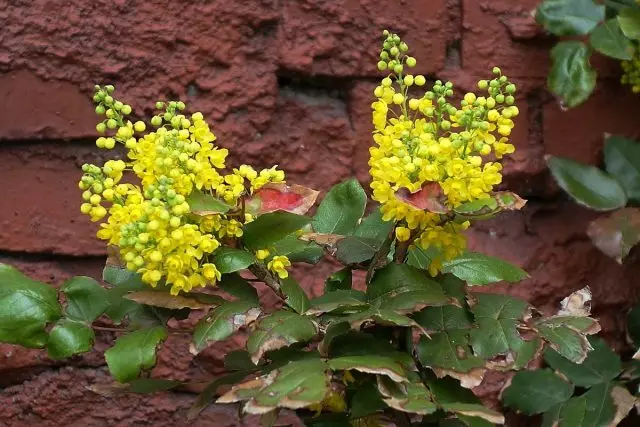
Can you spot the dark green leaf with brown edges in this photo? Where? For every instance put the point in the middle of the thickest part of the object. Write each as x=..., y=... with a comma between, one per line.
x=615, y=235
x=280, y=329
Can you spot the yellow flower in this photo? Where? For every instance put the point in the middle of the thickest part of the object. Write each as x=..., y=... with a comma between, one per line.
x=278, y=265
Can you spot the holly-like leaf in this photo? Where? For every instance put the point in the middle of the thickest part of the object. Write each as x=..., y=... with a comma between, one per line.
x=366, y=400
x=134, y=352
x=412, y=397
x=26, y=307
x=238, y=287
x=571, y=78
x=479, y=269
x=490, y=206
x=355, y=249
x=165, y=300
x=280, y=329
x=340, y=280
x=380, y=316
x=239, y=360
x=593, y=408
x=223, y=321
x=374, y=227
x=622, y=161
x=629, y=19
x=587, y=185
x=421, y=258
x=295, y=296
x=86, y=299
x=204, y=204
x=298, y=250
x=569, y=17
x=333, y=330
x=535, y=392
x=609, y=40
x=371, y=364
x=230, y=260
x=601, y=365
x=472, y=411
x=270, y=228
x=568, y=335
x=497, y=317
x=68, y=338
x=396, y=280
x=341, y=209
x=429, y=198
x=296, y=385
x=343, y=300
x=273, y=197
x=208, y=395
x=449, y=353
x=615, y=235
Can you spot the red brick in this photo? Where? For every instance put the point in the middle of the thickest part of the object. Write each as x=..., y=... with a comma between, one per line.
x=40, y=190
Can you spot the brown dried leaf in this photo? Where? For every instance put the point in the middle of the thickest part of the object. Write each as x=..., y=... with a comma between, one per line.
x=623, y=401
x=165, y=300
x=617, y=233
x=328, y=241
x=576, y=304
x=471, y=379
x=109, y=390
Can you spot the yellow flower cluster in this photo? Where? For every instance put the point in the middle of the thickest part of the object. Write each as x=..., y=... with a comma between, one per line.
x=152, y=224
x=426, y=142
x=631, y=72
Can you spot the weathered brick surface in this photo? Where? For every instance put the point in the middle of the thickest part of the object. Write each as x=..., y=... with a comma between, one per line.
x=286, y=82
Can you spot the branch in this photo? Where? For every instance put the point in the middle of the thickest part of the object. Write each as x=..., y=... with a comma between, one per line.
x=261, y=272
x=380, y=255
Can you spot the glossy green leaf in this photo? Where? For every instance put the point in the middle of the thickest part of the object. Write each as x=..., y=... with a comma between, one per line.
x=26, y=307
x=479, y=269
x=396, y=279
x=629, y=19
x=569, y=17
x=203, y=204
x=371, y=364
x=295, y=385
x=270, y=228
x=374, y=227
x=134, y=352
x=333, y=330
x=412, y=397
x=601, y=365
x=616, y=234
x=587, y=185
x=341, y=299
x=595, y=408
x=223, y=321
x=497, y=318
x=86, y=299
x=295, y=296
x=238, y=287
x=340, y=280
x=354, y=249
x=535, y=392
x=622, y=161
x=238, y=360
x=341, y=209
x=420, y=258
x=280, y=329
x=609, y=40
x=230, y=260
x=379, y=316
x=298, y=250
x=448, y=350
x=568, y=335
x=366, y=400
x=208, y=395
x=68, y=338
x=571, y=78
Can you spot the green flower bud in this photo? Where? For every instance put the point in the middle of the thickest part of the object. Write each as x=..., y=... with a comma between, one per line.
x=384, y=55
x=394, y=51
x=156, y=121
x=118, y=105
x=510, y=100
x=112, y=124
x=159, y=105
x=500, y=98
x=411, y=61
x=181, y=105
x=109, y=88
x=382, y=65
x=496, y=70
x=126, y=109
x=101, y=127
x=108, y=100
x=398, y=68
x=100, y=110
x=403, y=47
x=483, y=84
x=511, y=88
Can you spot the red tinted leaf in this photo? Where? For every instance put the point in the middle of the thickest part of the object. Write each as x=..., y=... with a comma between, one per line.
x=429, y=198
x=617, y=233
x=273, y=197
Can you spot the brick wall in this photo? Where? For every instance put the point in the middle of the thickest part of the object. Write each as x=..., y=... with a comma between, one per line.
x=282, y=81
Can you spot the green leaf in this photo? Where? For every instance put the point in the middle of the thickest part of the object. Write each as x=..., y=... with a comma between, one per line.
x=364, y=344
x=293, y=386
x=366, y=400
x=235, y=285
x=371, y=364
x=341, y=209
x=280, y=329
x=205, y=204
x=295, y=297
x=601, y=365
x=86, y=299
x=571, y=78
x=333, y=330
x=269, y=228
x=298, y=250
x=569, y=17
x=354, y=250
x=489, y=207
x=567, y=335
x=609, y=40
x=340, y=280
x=390, y=285
x=343, y=300
x=239, y=360
x=471, y=411
x=497, y=317
x=535, y=392
x=223, y=321
x=379, y=316
x=230, y=260
x=444, y=318
x=615, y=235
x=207, y=396
x=480, y=269
x=622, y=161
x=594, y=408
x=412, y=397
x=588, y=185
x=629, y=19
x=374, y=227
x=134, y=352
x=633, y=324
x=448, y=350
x=68, y=338
x=26, y=307
x=420, y=258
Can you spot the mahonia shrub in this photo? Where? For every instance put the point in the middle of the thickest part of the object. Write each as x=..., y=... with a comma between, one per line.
x=395, y=338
